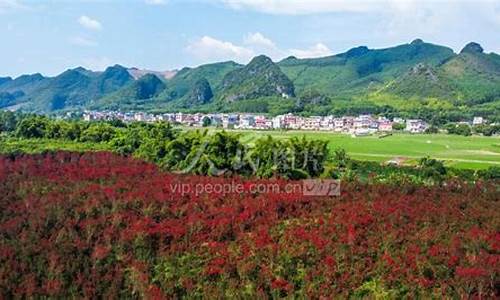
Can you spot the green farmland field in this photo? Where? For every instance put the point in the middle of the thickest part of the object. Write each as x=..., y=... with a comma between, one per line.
x=473, y=152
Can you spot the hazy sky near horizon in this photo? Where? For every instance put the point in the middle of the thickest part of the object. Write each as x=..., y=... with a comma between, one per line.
x=54, y=35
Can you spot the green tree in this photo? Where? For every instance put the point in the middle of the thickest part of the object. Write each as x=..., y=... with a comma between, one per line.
x=128, y=141
x=207, y=121
x=398, y=126
x=33, y=127
x=179, y=148
x=432, y=130
x=98, y=132
x=340, y=158
x=8, y=121
x=492, y=173
x=269, y=157
x=459, y=129
x=151, y=149
x=432, y=168
x=308, y=155
x=294, y=159
x=487, y=130
x=217, y=154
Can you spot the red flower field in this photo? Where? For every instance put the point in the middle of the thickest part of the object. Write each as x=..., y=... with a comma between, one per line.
x=100, y=225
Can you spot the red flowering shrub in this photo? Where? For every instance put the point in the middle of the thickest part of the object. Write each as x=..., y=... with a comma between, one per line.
x=100, y=225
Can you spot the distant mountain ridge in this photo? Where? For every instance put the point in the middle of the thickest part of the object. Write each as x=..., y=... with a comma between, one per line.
x=412, y=76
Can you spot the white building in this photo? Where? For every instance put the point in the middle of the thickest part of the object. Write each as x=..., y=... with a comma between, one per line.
x=399, y=120
x=261, y=122
x=247, y=121
x=278, y=122
x=416, y=126
x=327, y=123
x=140, y=117
x=312, y=123
x=88, y=116
x=179, y=118
x=363, y=121
x=292, y=122
x=229, y=120
x=385, y=126
x=478, y=121
x=338, y=124
x=216, y=119
x=363, y=124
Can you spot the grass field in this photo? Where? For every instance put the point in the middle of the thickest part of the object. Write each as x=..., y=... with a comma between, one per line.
x=473, y=152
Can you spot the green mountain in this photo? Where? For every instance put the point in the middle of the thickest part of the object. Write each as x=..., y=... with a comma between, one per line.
x=9, y=99
x=260, y=78
x=112, y=79
x=13, y=92
x=360, y=69
x=68, y=89
x=468, y=78
x=186, y=78
x=422, y=80
x=23, y=83
x=134, y=93
x=74, y=88
x=474, y=75
x=201, y=93
x=4, y=80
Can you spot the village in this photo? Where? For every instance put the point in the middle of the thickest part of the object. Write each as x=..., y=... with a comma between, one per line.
x=360, y=125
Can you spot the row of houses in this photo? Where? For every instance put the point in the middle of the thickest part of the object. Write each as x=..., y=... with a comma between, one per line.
x=364, y=124
x=360, y=125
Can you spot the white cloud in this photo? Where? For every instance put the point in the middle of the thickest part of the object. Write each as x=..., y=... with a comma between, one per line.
x=89, y=23
x=210, y=49
x=318, y=50
x=257, y=39
x=81, y=41
x=258, y=43
x=156, y=2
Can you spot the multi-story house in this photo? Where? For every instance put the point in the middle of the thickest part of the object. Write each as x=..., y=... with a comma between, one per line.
x=229, y=121
x=278, y=122
x=246, y=121
x=385, y=126
x=312, y=123
x=477, y=121
x=261, y=122
x=327, y=123
x=416, y=126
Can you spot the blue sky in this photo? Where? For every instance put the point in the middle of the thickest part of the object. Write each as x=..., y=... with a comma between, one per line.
x=52, y=36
